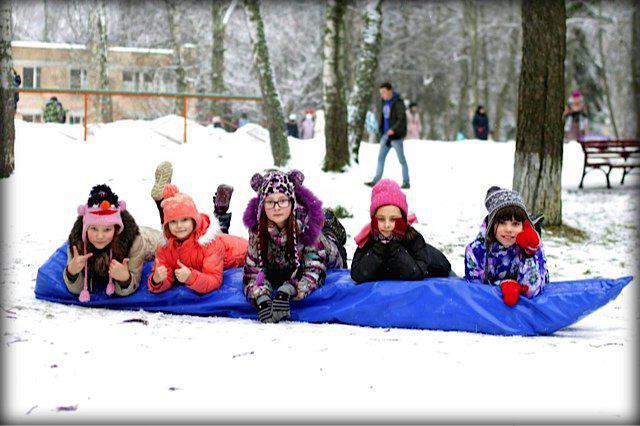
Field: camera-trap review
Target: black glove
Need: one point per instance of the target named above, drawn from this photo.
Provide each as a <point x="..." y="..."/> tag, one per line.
<point x="280" y="308"/>
<point x="264" y="309"/>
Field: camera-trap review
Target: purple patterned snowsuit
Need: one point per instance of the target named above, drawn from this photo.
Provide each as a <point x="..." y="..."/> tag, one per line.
<point x="504" y="264"/>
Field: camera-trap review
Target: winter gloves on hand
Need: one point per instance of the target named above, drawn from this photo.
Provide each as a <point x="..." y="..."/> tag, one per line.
<point x="264" y="309"/>
<point x="278" y="309"/>
<point x="511" y="291"/>
<point x="528" y="239"/>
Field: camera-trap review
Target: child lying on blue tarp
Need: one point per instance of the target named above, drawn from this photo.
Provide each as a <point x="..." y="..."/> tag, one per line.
<point x="507" y="251"/>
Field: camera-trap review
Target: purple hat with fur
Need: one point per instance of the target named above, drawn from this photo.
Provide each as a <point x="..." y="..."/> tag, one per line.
<point x="306" y="207"/>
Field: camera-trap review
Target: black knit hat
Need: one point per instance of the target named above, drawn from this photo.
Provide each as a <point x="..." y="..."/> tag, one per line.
<point x="100" y="193"/>
<point x="498" y="198"/>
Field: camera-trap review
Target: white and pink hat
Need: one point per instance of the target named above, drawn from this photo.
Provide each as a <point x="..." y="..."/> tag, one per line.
<point x="104" y="213"/>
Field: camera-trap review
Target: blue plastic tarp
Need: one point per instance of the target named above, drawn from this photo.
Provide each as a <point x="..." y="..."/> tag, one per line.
<point x="435" y="303"/>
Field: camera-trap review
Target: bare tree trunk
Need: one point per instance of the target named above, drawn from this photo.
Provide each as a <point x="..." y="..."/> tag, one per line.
<point x="271" y="100"/>
<point x="98" y="75"/>
<point x="635" y="61"/>
<point x="537" y="173"/>
<point x="365" y="71"/>
<point x="7" y="109"/>
<point x="603" y="76"/>
<point x="514" y="41"/>
<point x="45" y="26"/>
<point x="173" y="18"/>
<point x="485" y="64"/>
<point x="335" y="106"/>
<point x="471" y="29"/>
<point x="462" y="118"/>
<point x="218" y="9"/>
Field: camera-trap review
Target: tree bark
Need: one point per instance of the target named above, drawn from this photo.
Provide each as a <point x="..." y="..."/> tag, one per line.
<point x="335" y="106"/>
<point x="365" y="72"/>
<point x="471" y="29"/>
<point x="508" y="81"/>
<point x="218" y="9"/>
<point x="603" y="76"/>
<point x="635" y="62"/>
<point x="98" y="75"/>
<point x="271" y="100"/>
<point x="45" y="25"/>
<point x="173" y="19"/>
<point x="485" y="65"/>
<point x="537" y="174"/>
<point x="7" y="109"/>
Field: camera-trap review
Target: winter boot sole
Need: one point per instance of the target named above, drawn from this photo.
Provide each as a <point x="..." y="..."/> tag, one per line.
<point x="164" y="171"/>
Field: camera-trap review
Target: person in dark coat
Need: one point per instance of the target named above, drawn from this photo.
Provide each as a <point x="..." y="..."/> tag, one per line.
<point x="393" y="128"/>
<point x="292" y="127"/>
<point x="17" y="81"/>
<point x="480" y="124"/>
<point x="389" y="248"/>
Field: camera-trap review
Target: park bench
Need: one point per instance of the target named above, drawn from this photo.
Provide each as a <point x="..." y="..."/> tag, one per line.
<point x="610" y="154"/>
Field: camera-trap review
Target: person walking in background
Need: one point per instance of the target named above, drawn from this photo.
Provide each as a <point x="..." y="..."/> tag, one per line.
<point x="243" y="120"/>
<point x="393" y="127"/>
<point x="54" y="112"/>
<point x="292" y="126"/>
<point x="575" y="116"/>
<point x="480" y="124"/>
<point x="306" y="128"/>
<point x="414" y="126"/>
<point x="371" y="124"/>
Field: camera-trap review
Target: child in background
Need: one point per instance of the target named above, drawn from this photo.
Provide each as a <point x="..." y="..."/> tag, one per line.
<point x="106" y="247"/>
<point x="292" y="243"/>
<point x="389" y="248"/>
<point x="195" y="254"/>
<point x="507" y="251"/>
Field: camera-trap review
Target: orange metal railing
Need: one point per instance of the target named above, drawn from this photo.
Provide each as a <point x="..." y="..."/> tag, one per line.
<point x="86" y="92"/>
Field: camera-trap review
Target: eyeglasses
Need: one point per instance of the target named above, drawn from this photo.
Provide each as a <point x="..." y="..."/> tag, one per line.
<point x="283" y="204"/>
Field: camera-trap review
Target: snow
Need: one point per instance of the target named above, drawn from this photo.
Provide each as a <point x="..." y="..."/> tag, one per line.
<point x="185" y="368"/>
<point x="69" y="46"/>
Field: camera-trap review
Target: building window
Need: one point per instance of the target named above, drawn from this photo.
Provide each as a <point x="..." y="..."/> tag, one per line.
<point x="78" y="79"/>
<point x="129" y="81"/>
<point x="32" y="118"/>
<point x="31" y="77"/>
<point x="76" y="119"/>
<point x="147" y="81"/>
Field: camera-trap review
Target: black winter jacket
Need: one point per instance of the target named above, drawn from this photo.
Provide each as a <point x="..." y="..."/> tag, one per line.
<point x="397" y="118"/>
<point x="406" y="260"/>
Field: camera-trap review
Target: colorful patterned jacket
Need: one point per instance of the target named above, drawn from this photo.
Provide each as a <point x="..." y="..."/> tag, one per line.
<point x="315" y="250"/>
<point x="496" y="263"/>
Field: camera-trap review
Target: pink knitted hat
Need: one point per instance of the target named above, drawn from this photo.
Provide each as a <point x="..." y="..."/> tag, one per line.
<point x="176" y="204"/>
<point x="104" y="213"/>
<point x="387" y="192"/>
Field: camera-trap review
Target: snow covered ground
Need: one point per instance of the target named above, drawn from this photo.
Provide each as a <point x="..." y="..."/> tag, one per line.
<point x="184" y="368"/>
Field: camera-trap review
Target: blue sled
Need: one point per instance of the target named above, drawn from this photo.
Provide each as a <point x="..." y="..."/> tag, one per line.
<point x="434" y="304"/>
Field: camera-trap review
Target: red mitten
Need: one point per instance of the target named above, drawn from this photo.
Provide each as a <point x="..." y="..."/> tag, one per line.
<point x="400" y="227"/>
<point x="528" y="239"/>
<point x="511" y="291"/>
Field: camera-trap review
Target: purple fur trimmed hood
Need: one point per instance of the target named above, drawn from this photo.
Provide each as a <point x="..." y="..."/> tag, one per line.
<point x="307" y="207"/>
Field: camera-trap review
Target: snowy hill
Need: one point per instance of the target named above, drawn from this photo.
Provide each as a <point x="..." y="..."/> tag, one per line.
<point x="187" y="368"/>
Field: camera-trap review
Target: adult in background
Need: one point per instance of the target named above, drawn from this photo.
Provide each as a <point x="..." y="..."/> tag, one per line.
<point x="575" y="116"/>
<point x="243" y="120"/>
<point x="307" y="126"/>
<point x="393" y="128"/>
<point x="414" y="126"/>
<point x="371" y="124"/>
<point x="480" y="124"/>
<point x="292" y="126"/>
<point x="54" y="112"/>
<point x="17" y="81"/>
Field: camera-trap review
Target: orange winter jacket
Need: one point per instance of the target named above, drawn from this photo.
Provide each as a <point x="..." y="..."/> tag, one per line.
<point x="205" y="252"/>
